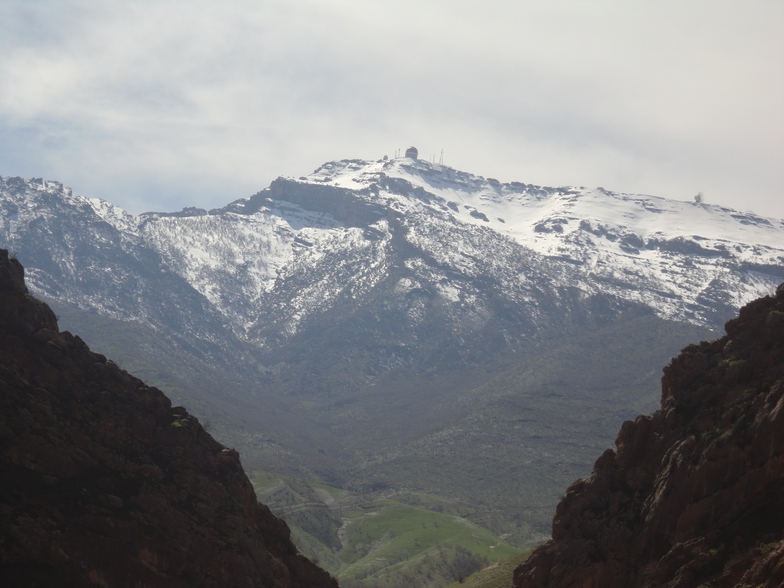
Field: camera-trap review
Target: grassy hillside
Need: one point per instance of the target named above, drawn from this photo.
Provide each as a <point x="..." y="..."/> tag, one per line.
<point x="368" y="542"/>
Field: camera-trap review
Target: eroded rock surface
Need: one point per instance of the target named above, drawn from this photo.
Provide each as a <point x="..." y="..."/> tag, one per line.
<point x="694" y="495"/>
<point x="104" y="483"/>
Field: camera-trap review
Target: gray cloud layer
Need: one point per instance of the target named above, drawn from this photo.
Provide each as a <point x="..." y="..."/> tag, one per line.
<point x="163" y="104"/>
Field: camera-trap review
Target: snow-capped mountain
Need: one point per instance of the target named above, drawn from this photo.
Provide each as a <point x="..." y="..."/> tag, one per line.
<point x="401" y="244"/>
<point x="686" y="261"/>
<point x="375" y="316"/>
<point x="675" y="257"/>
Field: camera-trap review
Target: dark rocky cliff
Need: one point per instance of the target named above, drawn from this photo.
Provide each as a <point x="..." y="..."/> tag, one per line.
<point x="104" y="483"/>
<point x="694" y="495"/>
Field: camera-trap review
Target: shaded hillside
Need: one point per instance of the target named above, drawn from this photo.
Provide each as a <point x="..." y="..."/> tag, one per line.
<point x="693" y="495"/>
<point x="104" y="483"/>
<point x="265" y="427"/>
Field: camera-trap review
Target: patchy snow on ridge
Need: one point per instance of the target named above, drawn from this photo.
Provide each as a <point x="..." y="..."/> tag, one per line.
<point x="664" y="253"/>
<point x="115" y="216"/>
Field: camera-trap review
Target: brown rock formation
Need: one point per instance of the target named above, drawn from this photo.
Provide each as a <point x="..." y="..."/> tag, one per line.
<point x="694" y="495"/>
<point x="104" y="483"/>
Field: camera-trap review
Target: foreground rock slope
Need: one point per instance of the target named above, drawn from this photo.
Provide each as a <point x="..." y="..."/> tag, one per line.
<point x="104" y="483"/>
<point x="693" y="494"/>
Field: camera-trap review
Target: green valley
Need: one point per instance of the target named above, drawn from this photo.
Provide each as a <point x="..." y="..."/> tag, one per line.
<point x="367" y="542"/>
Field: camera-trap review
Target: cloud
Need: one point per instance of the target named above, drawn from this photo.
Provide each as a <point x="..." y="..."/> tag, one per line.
<point x="173" y="103"/>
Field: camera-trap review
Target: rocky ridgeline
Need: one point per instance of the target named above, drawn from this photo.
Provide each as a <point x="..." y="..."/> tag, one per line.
<point x="104" y="483"/>
<point x="694" y="495"/>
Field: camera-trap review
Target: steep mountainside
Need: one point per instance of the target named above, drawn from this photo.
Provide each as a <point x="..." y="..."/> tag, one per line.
<point x="692" y="496"/>
<point x="104" y="483"/>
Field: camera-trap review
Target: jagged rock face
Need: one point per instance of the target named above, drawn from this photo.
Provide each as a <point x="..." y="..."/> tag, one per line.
<point x="104" y="483"/>
<point x="693" y="495"/>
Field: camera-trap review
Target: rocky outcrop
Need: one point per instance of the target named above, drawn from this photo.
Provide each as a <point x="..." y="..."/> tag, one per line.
<point x="104" y="483"/>
<point x="340" y="203"/>
<point x="694" y="495"/>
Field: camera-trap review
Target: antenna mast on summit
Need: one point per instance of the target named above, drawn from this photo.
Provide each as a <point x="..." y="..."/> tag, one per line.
<point x="441" y="159"/>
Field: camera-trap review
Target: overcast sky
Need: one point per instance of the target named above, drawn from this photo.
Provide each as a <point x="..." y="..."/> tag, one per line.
<point x="157" y="105"/>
